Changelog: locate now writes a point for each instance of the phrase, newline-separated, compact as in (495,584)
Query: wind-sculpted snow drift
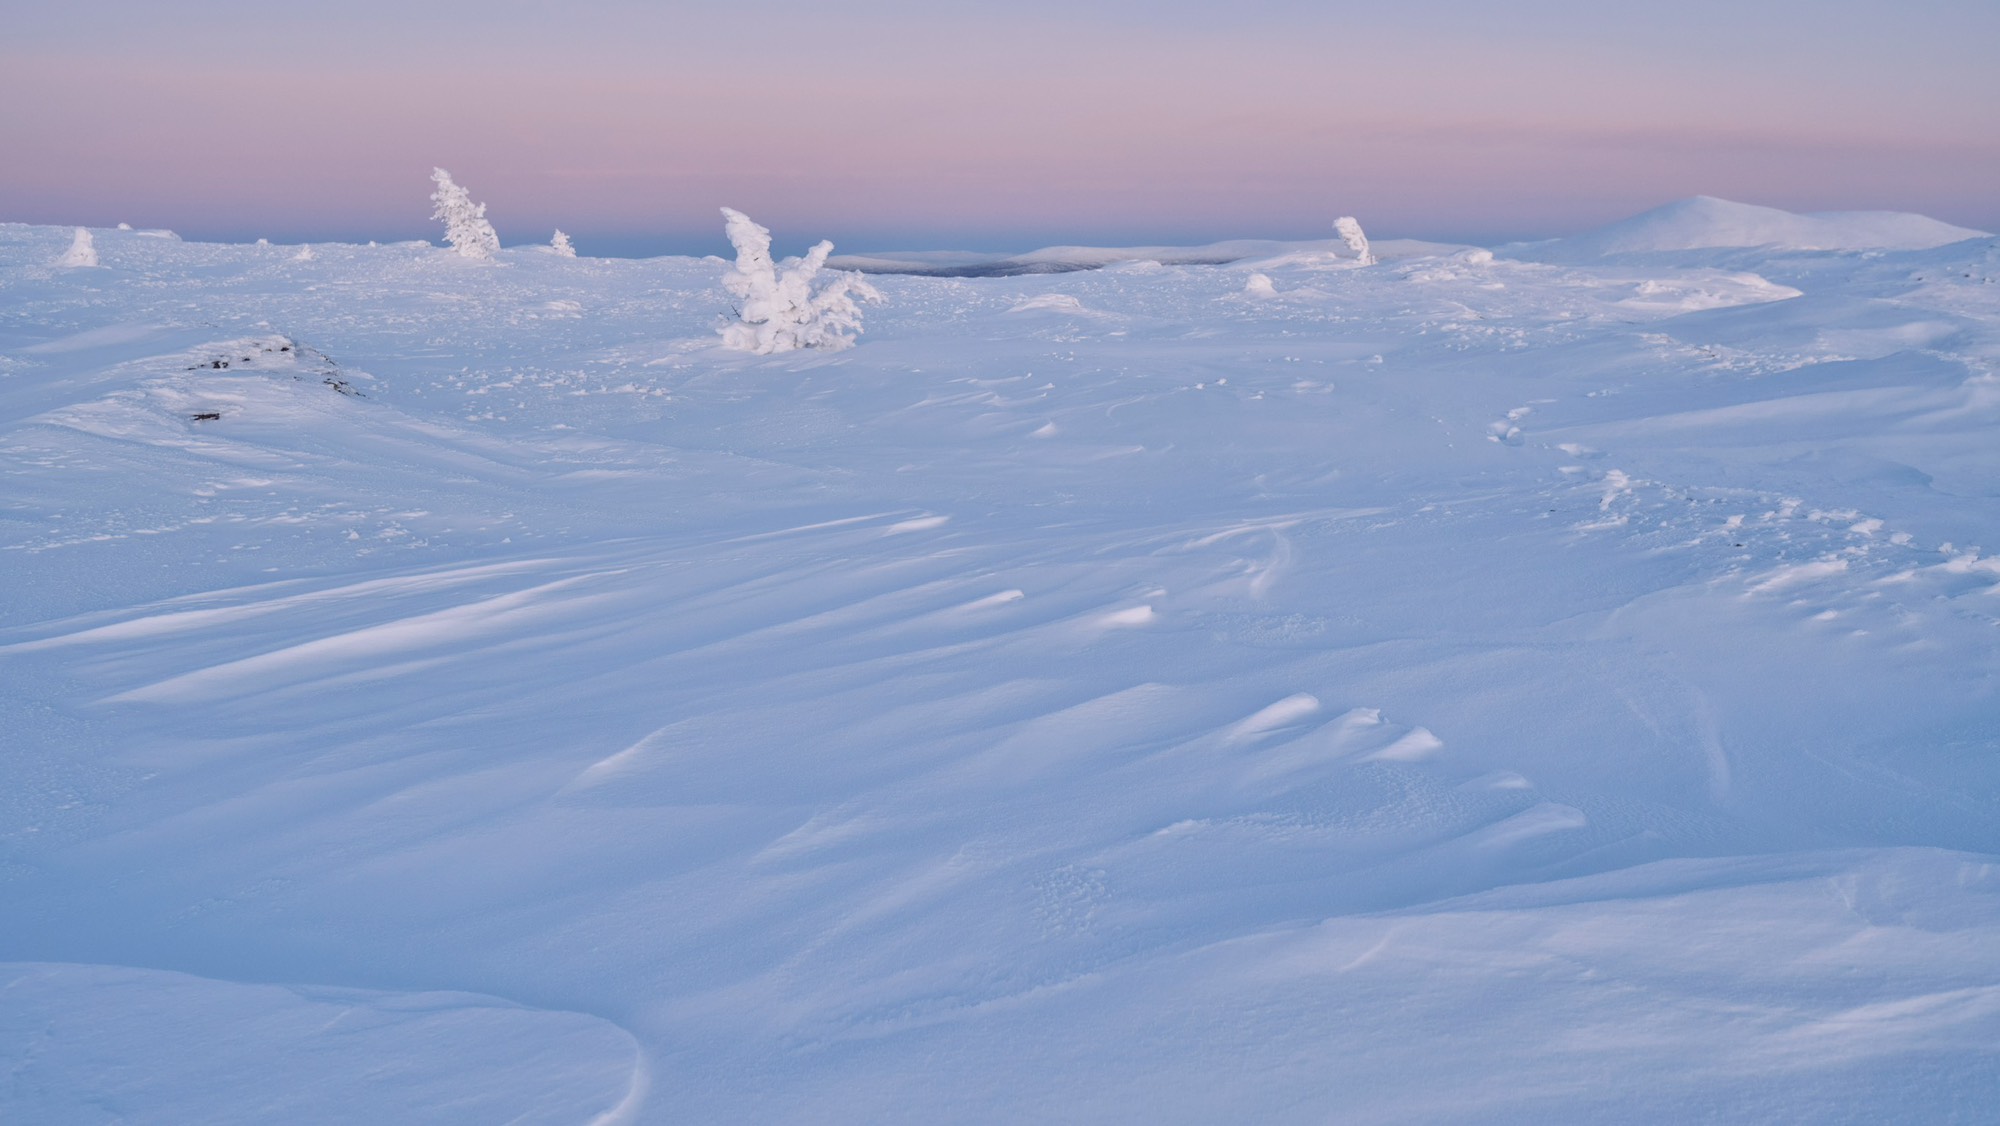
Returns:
(1461,689)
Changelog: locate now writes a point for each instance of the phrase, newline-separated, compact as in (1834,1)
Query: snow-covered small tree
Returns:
(82,251)
(561,245)
(1349,230)
(465,225)
(777,309)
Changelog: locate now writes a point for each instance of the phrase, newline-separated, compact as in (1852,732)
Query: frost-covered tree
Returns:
(82,251)
(777,308)
(1349,230)
(465,225)
(561,245)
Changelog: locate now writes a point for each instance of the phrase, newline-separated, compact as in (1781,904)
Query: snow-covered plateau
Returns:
(1227,685)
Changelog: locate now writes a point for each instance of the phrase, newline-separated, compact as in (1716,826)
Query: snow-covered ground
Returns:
(1544,687)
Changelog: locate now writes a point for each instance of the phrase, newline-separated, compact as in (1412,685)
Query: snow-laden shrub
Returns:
(779,311)
(1349,230)
(1259,285)
(465,225)
(82,251)
(560,245)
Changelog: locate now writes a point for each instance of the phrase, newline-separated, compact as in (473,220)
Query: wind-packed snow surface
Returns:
(1456,689)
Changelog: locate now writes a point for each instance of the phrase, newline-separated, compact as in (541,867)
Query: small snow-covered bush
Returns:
(1259,285)
(560,245)
(1349,230)
(465,225)
(779,312)
(82,251)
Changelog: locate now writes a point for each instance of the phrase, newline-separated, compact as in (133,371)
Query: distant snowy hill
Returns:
(1699,223)
(1705,222)
(1456,690)
(1069,259)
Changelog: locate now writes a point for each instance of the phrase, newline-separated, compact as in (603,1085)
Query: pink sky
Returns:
(976,133)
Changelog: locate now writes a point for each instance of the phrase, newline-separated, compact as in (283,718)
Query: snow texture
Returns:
(274,1053)
(1468,689)
(778,310)
(465,227)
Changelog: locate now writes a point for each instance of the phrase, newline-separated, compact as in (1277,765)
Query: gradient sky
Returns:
(894,123)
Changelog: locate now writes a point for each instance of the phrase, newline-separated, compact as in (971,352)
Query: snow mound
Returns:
(1705,222)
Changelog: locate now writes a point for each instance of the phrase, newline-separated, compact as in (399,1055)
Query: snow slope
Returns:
(1704,222)
(109,1043)
(1462,689)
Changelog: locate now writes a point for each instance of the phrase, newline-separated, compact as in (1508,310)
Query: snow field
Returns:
(1464,688)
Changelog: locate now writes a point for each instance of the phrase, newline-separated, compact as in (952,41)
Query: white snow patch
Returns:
(1288,712)
(1127,618)
(1416,745)
(916,524)
(1793,574)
